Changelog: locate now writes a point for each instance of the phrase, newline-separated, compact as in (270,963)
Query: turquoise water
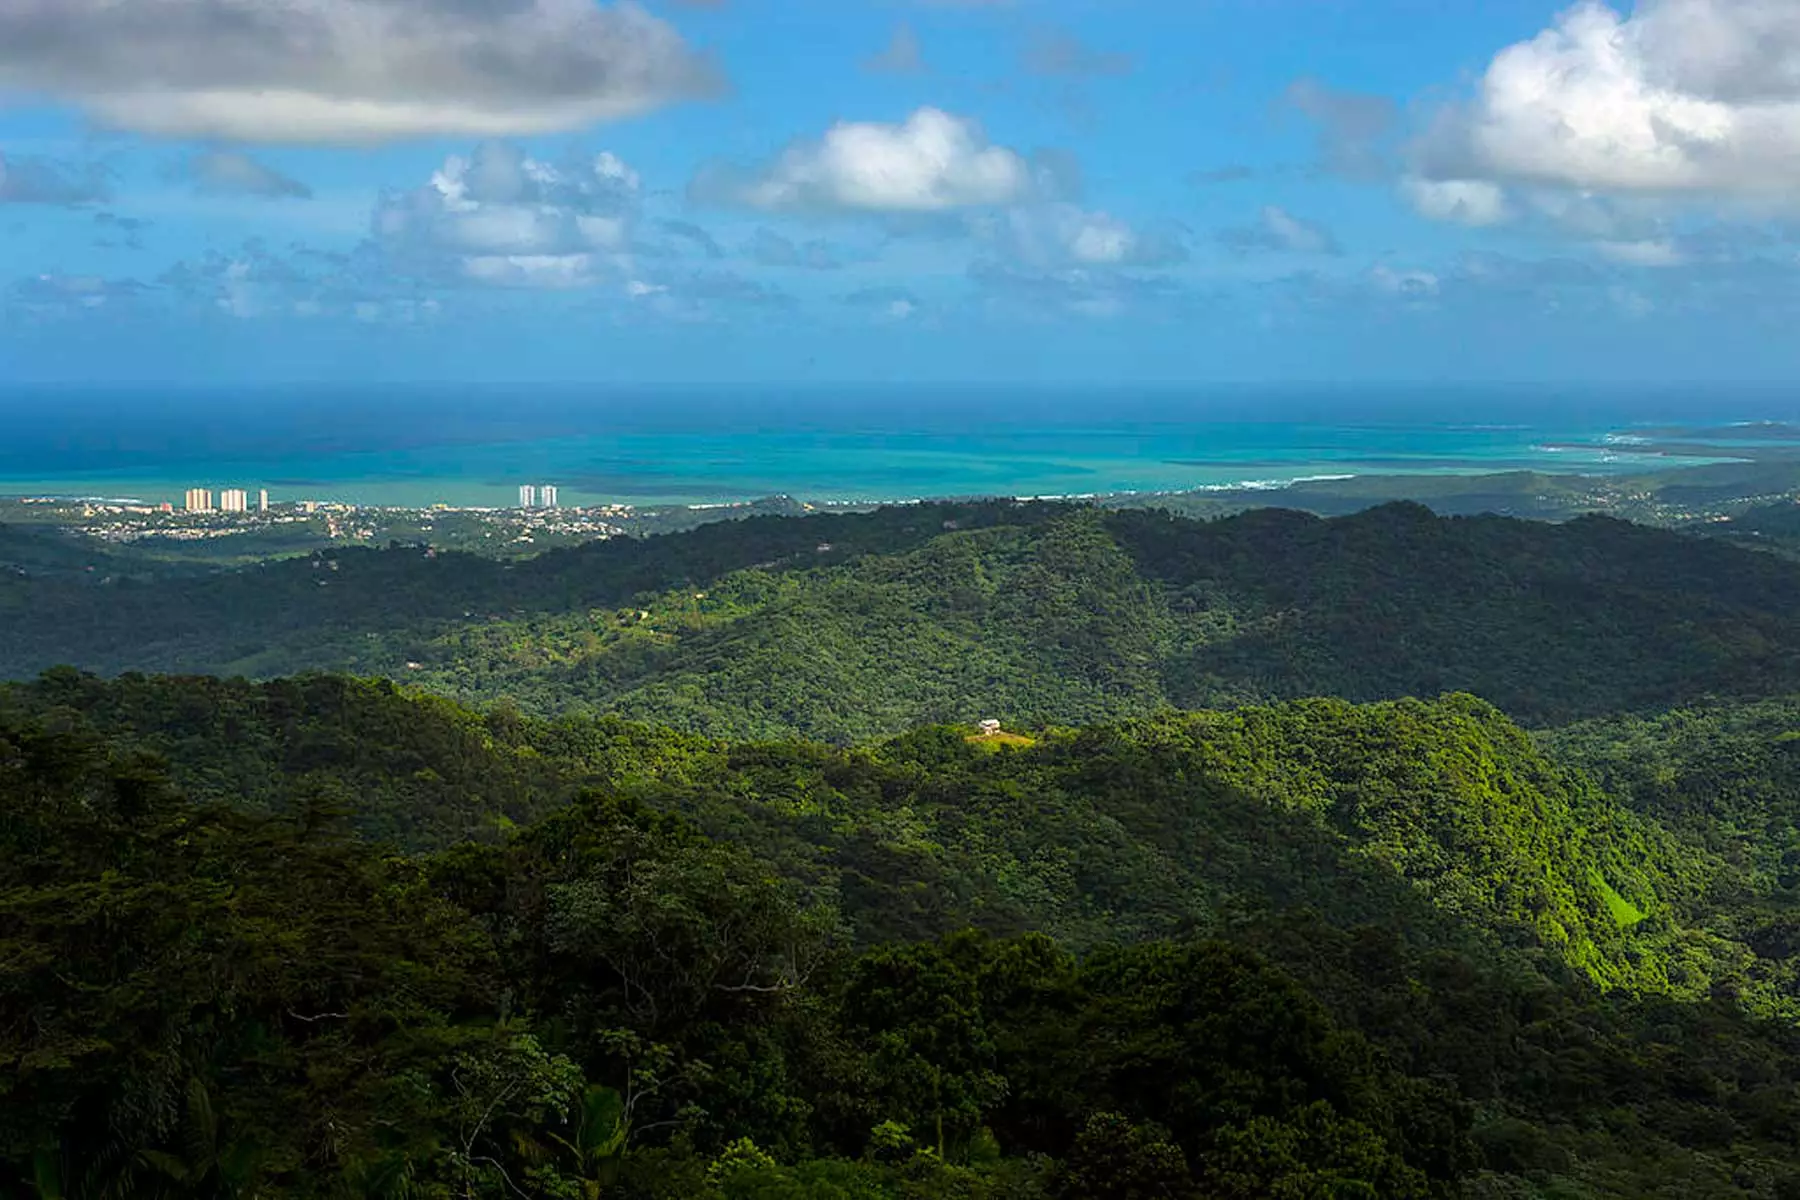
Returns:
(665,448)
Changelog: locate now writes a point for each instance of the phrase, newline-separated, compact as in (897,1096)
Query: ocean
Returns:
(474,446)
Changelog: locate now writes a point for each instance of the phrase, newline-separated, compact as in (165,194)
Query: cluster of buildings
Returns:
(231,500)
(239,500)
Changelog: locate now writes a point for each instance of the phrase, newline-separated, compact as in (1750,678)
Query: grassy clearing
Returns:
(1623,911)
(1002,738)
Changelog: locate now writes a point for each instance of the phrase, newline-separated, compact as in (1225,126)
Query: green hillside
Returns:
(1313,950)
(714,893)
(855,626)
(1438,818)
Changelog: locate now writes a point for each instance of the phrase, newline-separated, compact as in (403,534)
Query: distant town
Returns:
(243,523)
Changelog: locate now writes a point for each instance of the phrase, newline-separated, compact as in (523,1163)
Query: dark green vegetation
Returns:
(852,626)
(716,897)
(1764,526)
(1316,950)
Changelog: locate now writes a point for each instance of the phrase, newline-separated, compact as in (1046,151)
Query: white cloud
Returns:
(931,162)
(553,271)
(501,217)
(1050,235)
(1642,254)
(346,70)
(1464,201)
(1688,97)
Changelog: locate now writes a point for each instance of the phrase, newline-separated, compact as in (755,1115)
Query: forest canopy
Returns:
(1388,855)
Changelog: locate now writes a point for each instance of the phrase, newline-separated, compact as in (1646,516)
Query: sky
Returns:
(897,191)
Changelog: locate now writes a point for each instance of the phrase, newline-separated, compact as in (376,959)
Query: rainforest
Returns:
(1381,855)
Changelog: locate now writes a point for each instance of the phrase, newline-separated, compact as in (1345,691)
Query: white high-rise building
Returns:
(527,496)
(262,500)
(234,500)
(547,494)
(199,500)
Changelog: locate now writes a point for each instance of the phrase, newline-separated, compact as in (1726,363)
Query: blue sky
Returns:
(898,190)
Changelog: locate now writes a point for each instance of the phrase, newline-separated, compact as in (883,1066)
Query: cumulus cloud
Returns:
(227,172)
(1464,201)
(1055,235)
(1694,98)
(33,179)
(931,162)
(346,70)
(501,217)
(1283,232)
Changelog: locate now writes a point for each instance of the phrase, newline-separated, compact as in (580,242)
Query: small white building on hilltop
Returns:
(989,728)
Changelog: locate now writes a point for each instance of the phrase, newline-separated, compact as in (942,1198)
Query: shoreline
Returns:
(1426,480)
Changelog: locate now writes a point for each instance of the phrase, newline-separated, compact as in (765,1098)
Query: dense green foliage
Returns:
(1316,950)
(854,626)
(326,936)
(1443,813)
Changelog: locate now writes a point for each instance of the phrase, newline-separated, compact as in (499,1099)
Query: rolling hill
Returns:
(855,626)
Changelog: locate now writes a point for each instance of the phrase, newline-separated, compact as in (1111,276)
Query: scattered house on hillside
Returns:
(989,728)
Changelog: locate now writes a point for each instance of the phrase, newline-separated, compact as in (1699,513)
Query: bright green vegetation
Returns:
(1142,830)
(854,626)
(1623,911)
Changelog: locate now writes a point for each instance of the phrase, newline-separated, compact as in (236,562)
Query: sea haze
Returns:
(474,446)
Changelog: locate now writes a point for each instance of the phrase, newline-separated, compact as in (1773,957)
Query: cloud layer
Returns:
(346,70)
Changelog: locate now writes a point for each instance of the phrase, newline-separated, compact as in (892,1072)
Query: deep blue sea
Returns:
(474,445)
